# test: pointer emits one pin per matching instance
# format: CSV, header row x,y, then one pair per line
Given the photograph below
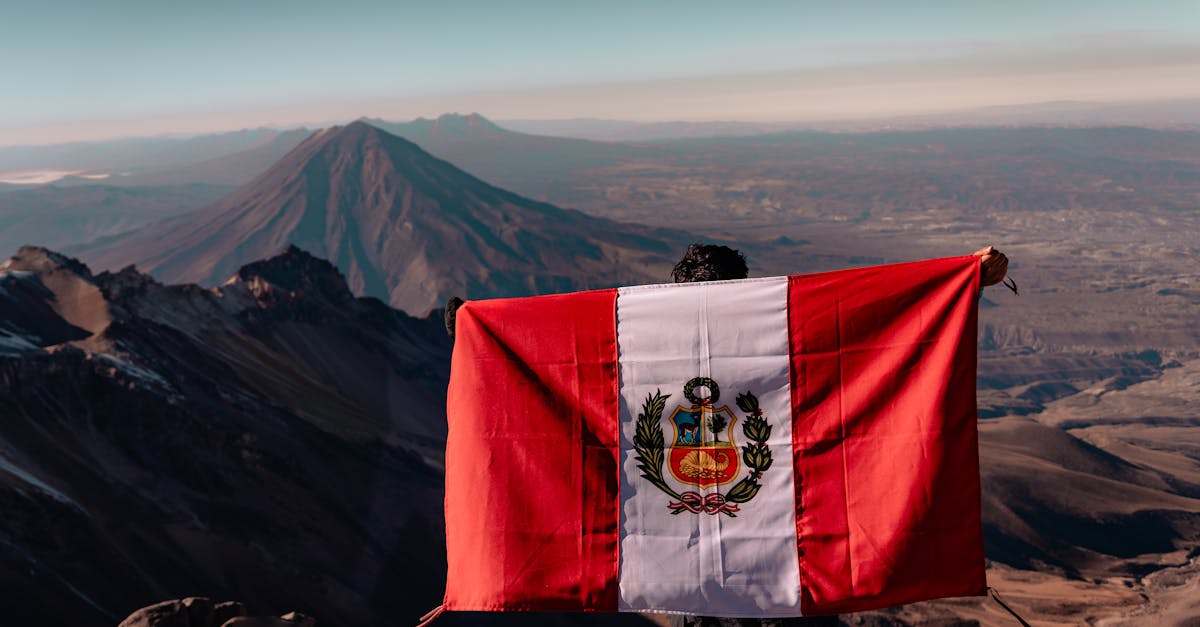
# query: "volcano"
x,y
401,224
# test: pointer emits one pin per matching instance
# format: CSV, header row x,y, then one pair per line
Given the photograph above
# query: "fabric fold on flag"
x,y
764,447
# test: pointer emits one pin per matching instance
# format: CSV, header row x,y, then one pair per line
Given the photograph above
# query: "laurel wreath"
x,y
757,454
714,391
649,443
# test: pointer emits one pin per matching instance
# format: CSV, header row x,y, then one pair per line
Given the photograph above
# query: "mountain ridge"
x,y
163,429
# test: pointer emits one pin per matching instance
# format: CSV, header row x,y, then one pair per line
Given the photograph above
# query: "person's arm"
x,y
452,306
993,265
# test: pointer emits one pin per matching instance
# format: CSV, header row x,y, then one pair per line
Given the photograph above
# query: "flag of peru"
x,y
764,447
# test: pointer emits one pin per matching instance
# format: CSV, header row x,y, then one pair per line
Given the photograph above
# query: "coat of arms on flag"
x,y
753,448
698,456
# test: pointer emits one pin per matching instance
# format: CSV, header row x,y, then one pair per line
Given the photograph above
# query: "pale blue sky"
x,y
124,67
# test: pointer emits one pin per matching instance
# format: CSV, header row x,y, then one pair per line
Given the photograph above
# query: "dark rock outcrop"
x,y
202,612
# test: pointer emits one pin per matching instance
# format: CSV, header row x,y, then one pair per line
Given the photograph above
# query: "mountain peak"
x,y
351,143
355,132
473,120
61,290
455,125
39,260
359,126
291,276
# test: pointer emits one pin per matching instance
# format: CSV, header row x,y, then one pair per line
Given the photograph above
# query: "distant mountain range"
x,y
519,161
232,169
1176,114
625,131
402,225
58,216
134,154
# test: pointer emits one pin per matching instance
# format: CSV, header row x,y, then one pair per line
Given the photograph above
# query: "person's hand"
x,y
993,265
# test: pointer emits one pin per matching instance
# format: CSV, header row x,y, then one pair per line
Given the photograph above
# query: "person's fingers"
x,y
984,252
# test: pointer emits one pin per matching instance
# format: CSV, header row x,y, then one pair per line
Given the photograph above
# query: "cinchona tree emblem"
x,y
702,452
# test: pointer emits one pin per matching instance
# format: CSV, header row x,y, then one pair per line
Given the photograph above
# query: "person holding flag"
x,y
749,448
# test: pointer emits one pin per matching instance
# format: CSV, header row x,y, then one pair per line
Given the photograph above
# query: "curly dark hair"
x,y
710,262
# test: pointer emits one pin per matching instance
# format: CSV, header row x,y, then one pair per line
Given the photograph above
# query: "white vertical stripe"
x,y
735,332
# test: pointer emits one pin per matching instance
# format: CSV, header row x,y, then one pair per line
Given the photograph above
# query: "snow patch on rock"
x,y
145,376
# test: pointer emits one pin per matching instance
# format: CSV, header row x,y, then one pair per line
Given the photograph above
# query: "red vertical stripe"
x,y
532,503
884,434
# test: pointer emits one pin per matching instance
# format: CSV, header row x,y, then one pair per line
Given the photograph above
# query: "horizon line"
x,y
921,119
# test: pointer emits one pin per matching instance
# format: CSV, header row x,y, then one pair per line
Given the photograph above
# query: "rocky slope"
x,y
274,440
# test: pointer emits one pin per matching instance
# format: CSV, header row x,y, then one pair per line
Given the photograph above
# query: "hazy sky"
x,y
93,68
